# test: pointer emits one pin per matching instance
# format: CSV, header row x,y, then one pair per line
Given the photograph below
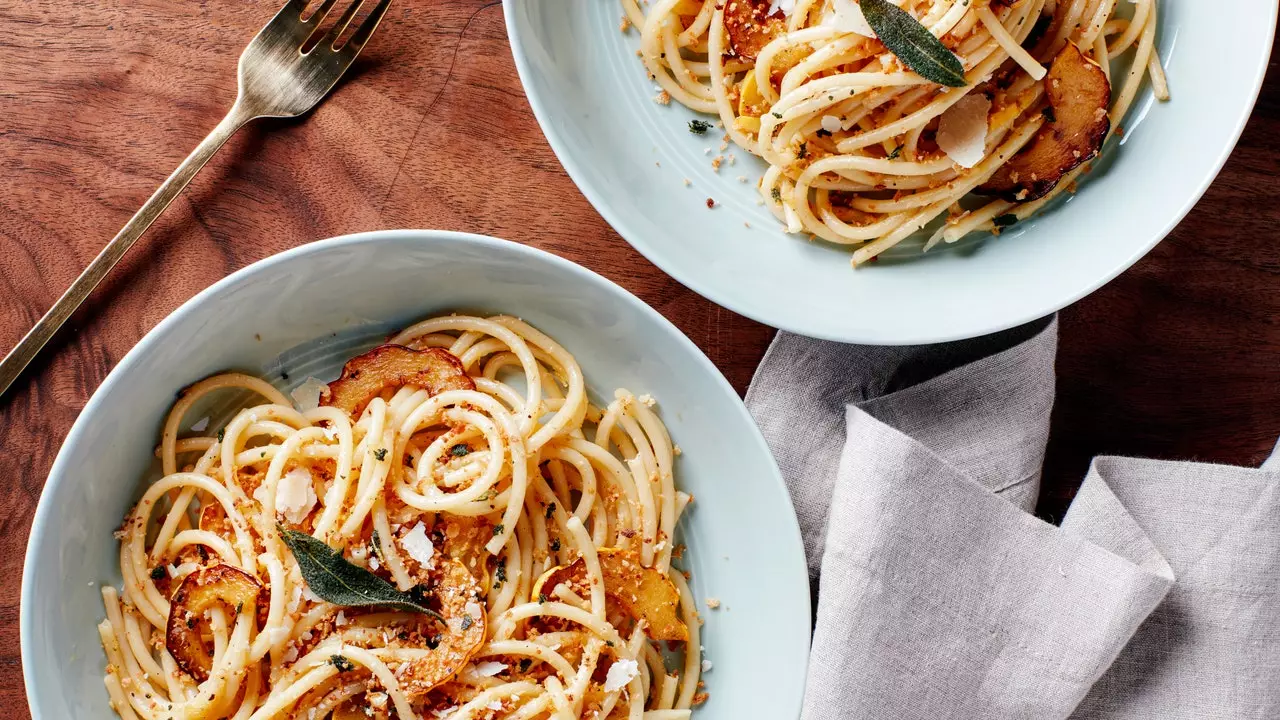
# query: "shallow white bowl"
x,y
302,313
630,157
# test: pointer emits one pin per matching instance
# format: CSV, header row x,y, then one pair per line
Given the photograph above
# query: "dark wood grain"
x,y
99,101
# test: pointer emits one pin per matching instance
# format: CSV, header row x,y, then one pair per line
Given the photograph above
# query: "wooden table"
x,y
1180,357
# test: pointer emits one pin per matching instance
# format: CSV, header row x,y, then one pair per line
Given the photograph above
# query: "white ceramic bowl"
x,y
630,157
302,313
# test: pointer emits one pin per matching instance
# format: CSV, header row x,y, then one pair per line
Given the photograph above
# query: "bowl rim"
x,y
58,476
804,326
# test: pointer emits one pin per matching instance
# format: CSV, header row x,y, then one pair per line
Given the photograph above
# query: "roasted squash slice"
x,y
751,27
461,603
639,592
220,585
1079,96
388,367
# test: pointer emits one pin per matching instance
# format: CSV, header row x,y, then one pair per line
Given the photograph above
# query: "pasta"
x,y
864,152
449,530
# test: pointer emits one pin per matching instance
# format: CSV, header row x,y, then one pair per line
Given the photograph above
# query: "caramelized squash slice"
x,y
461,602
388,367
751,27
639,592
1079,96
220,585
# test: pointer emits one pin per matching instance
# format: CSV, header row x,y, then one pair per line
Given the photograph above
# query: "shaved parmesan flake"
x,y
847,16
489,668
295,495
831,123
786,6
418,545
621,672
307,395
962,130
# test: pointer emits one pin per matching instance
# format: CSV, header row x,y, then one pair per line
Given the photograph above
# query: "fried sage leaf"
x,y
334,579
912,42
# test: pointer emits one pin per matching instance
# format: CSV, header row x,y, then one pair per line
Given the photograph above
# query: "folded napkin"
x,y
914,471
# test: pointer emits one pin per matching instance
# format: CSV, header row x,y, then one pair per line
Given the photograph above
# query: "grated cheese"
x,y
962,130
786,6
620,673
489,668
418,545
307,395
847,16
295,495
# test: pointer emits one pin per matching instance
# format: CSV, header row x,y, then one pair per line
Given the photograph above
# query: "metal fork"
x,y
276,79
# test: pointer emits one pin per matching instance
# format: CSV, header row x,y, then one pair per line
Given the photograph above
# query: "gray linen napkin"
x,y
913,471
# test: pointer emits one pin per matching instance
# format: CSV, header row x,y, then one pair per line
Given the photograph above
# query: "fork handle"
x,y
27,348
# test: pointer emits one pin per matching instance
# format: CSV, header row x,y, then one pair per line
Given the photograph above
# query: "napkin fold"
x,y
914,471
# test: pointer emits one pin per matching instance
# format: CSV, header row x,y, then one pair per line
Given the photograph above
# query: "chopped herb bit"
x,y
460,450
239,607
380,454
525,664
467,621
803,152
1003,221
896,152
497,529
554,544
823,132
342,663
777,115
551,510
609,643
776,194
376,541
542,597
157,573
500,574
221,433
699,127
1049,114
